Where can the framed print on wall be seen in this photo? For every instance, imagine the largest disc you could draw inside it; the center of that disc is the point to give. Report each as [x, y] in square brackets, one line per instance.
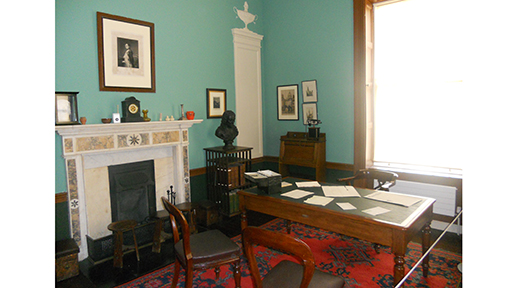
[309, 112]
[126, 54]
[66, 108]
[288, 99]
[216, 102]
[309, 91]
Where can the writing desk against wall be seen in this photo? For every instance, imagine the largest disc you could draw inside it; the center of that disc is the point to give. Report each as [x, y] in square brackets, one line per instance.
[298, 149]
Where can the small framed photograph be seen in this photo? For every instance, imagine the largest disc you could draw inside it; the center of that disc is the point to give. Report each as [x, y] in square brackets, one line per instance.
[66, 108]
[288, 99]
[309, 91]
[309, 112]
[216, 102]
[126, 54]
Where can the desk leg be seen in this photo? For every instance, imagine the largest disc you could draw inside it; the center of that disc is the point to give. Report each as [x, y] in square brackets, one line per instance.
[289, 226]
[399, 268]
[426, 244]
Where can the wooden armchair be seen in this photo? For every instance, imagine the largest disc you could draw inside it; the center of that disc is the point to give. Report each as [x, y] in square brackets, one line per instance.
[286, 274]
[385, 179]
[200, 251]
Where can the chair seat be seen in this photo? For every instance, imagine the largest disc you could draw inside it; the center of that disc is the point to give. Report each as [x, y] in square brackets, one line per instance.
[209, 246]
[288, 274]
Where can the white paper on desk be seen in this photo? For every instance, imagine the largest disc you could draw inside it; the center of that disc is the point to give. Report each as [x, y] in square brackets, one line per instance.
[318, 200]
[393, 198]
[285, 184]
[308, 184]
[376, 211]
[340, 191]
[346, 206]
[296, 194]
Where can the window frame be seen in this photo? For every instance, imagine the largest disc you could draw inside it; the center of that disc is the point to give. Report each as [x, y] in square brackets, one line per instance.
[364, 97]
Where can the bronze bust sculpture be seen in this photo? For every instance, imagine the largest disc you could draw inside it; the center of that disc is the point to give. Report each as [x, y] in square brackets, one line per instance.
[227, 131]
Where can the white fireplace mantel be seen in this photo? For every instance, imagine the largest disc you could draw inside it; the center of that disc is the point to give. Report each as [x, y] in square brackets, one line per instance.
[89, 149]
[79, 139]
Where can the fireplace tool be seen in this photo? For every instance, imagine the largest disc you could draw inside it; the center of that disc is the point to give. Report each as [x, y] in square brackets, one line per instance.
[171, 195]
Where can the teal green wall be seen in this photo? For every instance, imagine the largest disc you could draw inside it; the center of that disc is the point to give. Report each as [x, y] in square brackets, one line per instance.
[306, 40]
[303, 40]
[194, 51]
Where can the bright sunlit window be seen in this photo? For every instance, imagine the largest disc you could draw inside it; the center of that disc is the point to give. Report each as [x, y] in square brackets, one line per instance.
[419, 99]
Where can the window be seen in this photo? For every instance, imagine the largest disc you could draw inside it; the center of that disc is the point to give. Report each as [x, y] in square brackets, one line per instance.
[417, 90]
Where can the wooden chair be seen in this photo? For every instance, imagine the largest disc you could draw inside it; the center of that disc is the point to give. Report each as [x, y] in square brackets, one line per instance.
[200, 251]
[286, 274]
[385, 179]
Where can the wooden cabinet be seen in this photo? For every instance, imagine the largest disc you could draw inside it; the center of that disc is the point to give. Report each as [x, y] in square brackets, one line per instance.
[225, 176]
[297, 149]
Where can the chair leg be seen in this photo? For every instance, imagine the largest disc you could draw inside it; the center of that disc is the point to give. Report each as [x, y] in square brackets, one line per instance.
[189, 278]
[376, 248]
[177, 267]
[217, 272]
[236, 274]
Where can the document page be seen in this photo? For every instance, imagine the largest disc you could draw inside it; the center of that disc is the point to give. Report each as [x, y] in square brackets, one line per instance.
[340, 191]
[393, 198]
[308, 184]
[346, 206]
[297, 194]
[318, 200]
[376, 211]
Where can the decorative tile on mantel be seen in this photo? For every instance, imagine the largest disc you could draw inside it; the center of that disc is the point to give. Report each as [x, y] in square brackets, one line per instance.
[95, 143]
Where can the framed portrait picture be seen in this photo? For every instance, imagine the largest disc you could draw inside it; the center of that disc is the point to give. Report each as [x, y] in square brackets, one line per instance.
[216, 102]
[309, 112]
[126, 54]
[66, 108]
[309, 91]
[288, 99]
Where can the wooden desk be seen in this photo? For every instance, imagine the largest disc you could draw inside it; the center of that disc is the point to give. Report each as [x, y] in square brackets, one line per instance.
[297, 149]
[395, 228]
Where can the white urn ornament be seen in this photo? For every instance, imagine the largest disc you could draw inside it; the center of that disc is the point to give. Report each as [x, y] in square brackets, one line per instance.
[245, 16]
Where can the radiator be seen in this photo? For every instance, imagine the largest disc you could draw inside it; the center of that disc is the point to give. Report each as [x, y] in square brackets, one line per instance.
[445, 196]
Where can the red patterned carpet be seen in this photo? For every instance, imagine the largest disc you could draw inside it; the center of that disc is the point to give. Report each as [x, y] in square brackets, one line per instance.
[350, 258]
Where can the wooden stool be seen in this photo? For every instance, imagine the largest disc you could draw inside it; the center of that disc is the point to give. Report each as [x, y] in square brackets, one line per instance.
[159, 234]
[190, 209]
[118, 229]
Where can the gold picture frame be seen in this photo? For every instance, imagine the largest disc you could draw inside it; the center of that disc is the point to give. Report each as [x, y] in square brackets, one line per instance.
[216, 102]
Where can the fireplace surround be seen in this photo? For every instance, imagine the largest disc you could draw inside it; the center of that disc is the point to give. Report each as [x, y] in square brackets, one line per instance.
[89, 151]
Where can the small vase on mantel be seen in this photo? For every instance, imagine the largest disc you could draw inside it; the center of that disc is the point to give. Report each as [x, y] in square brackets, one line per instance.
[145, 118]
[83, 120]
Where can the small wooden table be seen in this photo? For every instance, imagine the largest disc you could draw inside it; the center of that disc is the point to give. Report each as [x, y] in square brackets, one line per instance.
[297, 149]
[394, 229]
